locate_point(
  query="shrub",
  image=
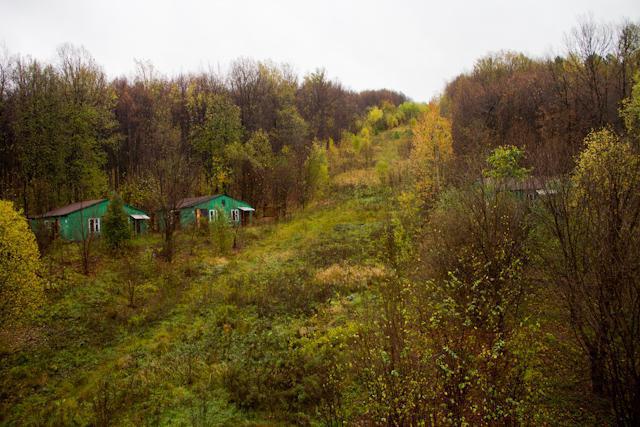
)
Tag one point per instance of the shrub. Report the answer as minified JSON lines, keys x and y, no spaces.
{"x":21,"y":290}
{"x":221,"y":233}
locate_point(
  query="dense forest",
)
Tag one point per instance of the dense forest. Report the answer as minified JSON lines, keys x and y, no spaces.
{"x":69,"y":133}
{"x":473,"y":260}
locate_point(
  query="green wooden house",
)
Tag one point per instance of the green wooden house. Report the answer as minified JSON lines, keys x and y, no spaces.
{"x":193,"y":210}
{"x":81,"y":219}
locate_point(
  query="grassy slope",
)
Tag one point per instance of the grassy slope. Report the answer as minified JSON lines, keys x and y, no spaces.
{"x":178,"y":356}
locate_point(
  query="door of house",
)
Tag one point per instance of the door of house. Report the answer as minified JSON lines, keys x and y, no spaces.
{"x":176,"y":220}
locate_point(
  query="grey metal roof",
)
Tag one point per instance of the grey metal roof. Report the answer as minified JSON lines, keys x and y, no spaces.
{"x":192,"y":201}
{"x":66,"y":210}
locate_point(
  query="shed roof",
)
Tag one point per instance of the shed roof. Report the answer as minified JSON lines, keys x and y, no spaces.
{"x":66,"y":210}
{"x":139,"y":216}
{"x":192,"y":201}
{"x":532,"y":183}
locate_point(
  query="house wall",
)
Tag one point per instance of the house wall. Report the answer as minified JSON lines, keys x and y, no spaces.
{"x":75,"y":225}
{"x":223,"y":203}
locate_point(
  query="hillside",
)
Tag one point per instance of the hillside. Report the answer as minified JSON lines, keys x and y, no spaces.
{"x":248,"y":338}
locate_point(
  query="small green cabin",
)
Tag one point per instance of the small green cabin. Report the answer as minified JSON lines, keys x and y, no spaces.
{"x":194,"y":209}
{"x":529,"y":188}
{"x":81,"y":219}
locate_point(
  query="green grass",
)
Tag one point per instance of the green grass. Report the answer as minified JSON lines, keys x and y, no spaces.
{"x":277,"y":332}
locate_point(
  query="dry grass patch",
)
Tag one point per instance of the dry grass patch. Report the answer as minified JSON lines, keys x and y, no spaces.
{"x":357,"y":178}
{"x":349,"y":275}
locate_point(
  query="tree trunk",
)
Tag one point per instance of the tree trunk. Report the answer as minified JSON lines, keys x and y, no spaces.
{"x":168,"y":238}
{"x":596,"y":361}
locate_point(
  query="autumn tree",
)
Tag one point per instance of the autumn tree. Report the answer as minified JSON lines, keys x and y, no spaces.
{"x":251,"y":167}
{"x":631,"y":112}
{"x":290,"y":129}
{"x":61,"y":126}
{"x":260,"y":90}
{"x":89,"y":122}
{"x":316,"y":100}
{"x":284,"y":180}
{"x":431,"y":149}
{"x":37,"y":128}
{"x":7,"y":148}
{"x":506,"y":162}
{"x":363,"y":143}
{"x":172,"y":174}
{"x":409,"y":111}
{"x":375,"y":119}
{"x":316,"y":172}
{"x":220,"y":128}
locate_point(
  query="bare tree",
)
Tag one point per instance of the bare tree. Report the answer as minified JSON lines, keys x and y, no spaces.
{"x":588,"y":47}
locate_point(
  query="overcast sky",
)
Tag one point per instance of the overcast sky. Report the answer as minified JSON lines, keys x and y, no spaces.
{"x":411,"y":46}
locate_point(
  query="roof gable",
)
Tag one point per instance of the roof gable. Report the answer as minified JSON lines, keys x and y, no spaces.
{"x":128,"y":208}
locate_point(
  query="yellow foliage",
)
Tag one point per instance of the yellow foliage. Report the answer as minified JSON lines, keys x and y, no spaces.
{"x":21,"y":290}
{"x":607,"y":164}
{"x":432,"y":148}
{"x":374,"y":115}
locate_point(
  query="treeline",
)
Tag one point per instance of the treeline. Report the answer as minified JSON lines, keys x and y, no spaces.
{"x":68,"y":132}
{"x":546,"y":105}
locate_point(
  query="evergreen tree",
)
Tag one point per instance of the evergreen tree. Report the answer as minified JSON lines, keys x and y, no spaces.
{"x":116,"y":230}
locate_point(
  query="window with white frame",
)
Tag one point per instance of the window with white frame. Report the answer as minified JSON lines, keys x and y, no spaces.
{"x":235,"y":215}
{"x":94,"y":225}
{"x":213,"y":215}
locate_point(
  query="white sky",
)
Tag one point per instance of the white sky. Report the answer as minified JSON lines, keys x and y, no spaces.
{"x":411,"y":46}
